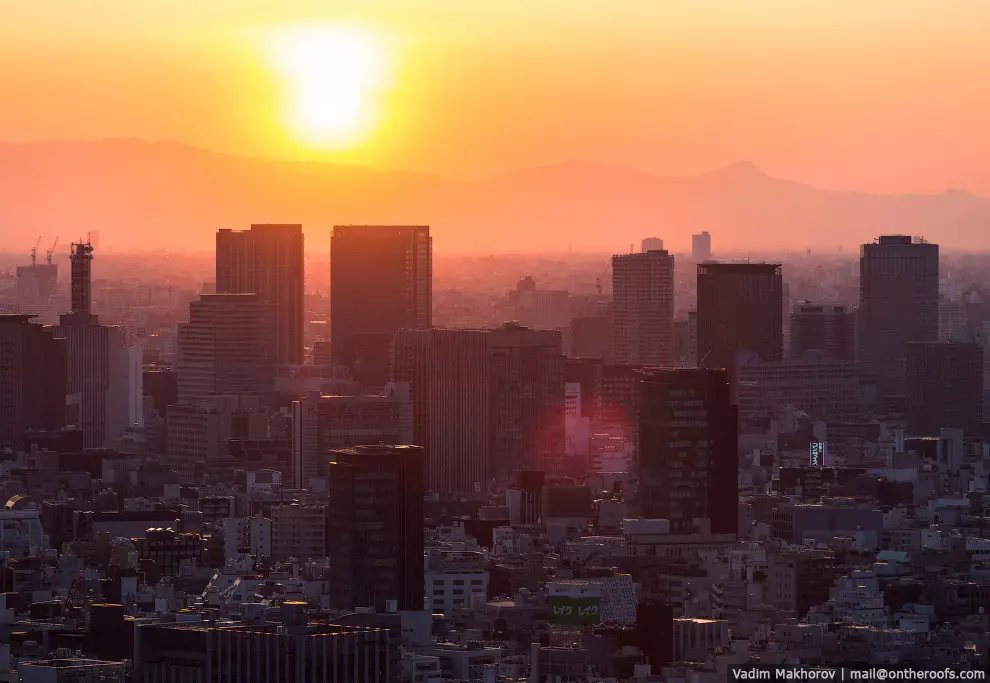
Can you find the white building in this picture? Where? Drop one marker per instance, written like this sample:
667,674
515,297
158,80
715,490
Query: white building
454,580
247,536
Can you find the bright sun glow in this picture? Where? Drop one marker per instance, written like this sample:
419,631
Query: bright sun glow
334,75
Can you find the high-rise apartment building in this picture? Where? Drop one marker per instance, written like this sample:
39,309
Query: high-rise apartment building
701,247
101,369
944,388
32,380
376,523
824,328
739,312
267,260
381,280
643,308
223,349
322,424
486,403
898,304
688,462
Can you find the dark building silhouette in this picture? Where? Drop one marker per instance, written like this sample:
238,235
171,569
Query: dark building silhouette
643,308
161,385
32,380
739,312
381,280
486,403
100,368
376,523
267,260
591,337
688,463
944,388
823,328
898,304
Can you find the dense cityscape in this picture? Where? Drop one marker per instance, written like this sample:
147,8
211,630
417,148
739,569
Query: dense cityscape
378,464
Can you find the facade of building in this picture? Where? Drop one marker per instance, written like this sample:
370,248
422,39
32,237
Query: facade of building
299,531
231,651
486,403
701,247
643,308
381,280
102,369
376,523
740,306
32,380
898,304
454,580
944,388
267,260
827,390
322,424
829,330
224,348
688,462
197,434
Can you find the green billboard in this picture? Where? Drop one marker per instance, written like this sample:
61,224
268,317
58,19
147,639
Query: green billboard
565,609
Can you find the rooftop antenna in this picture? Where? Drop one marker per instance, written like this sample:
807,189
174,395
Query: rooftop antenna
34,251
48,255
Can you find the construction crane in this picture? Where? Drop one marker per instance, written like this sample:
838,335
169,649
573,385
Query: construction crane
601,281
48,255
34,251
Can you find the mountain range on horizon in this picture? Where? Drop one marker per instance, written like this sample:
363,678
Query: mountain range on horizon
142,195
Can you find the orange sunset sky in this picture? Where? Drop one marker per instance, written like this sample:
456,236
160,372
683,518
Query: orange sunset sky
878,95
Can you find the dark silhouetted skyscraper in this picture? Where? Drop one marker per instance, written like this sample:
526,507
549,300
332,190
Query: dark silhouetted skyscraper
739,311
944,387
688,463
643,308
898,304
33,386
825,328
381,280
101,368
376,523
267,260
486,403
223,349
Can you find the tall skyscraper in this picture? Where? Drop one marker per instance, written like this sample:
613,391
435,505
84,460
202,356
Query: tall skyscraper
944,388
643,308
101,368
898,304
688,463
486,403
33,386
322,424
267,260
739,311
223,348
381,280
824,328
526,375
376,523
701,247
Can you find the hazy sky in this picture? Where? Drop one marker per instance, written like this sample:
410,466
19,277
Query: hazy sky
879,95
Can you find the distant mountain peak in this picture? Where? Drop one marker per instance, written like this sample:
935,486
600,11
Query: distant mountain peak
741,169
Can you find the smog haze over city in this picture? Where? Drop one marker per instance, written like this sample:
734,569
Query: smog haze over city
423,341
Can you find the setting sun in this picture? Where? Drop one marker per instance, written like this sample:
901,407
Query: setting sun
333,75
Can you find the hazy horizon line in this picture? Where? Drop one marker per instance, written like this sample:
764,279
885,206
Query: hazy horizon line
743,163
